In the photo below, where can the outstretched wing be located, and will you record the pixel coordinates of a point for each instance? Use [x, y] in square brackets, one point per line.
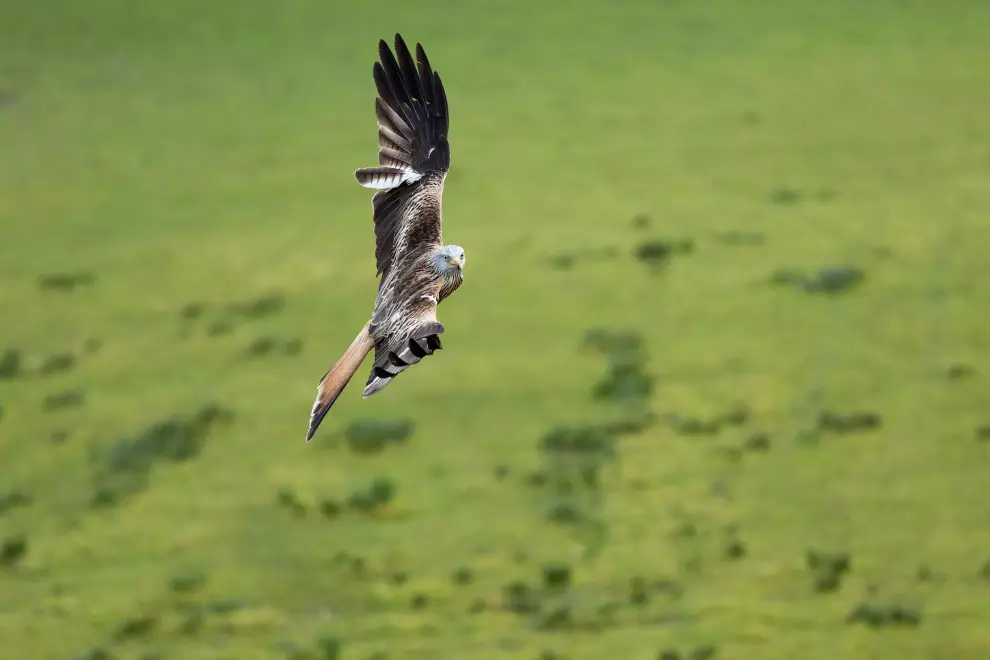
[413, 157]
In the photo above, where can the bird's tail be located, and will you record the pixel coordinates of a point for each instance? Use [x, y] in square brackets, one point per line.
[336, 379]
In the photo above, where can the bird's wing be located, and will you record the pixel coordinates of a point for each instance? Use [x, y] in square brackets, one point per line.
[413, 157]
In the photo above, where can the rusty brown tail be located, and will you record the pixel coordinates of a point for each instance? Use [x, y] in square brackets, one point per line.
[336, 379]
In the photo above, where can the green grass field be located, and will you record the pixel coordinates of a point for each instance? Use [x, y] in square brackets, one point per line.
[184, 252]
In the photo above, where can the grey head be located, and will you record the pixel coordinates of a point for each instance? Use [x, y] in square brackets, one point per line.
[448, 258]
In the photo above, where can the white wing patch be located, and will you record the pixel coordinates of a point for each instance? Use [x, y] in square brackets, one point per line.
[386, 177]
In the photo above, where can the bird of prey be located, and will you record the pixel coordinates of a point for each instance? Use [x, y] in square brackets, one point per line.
[417, 271]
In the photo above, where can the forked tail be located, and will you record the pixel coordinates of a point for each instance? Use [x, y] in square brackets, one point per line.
[336, 379]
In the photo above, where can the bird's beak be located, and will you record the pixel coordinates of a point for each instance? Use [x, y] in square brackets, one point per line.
[457, 261]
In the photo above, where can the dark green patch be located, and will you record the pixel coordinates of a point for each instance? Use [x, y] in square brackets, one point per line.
[852, 422]
[785, 196]
[267, 345]
[192, 311]
[12, 550]
[260, 307]
[563, 261]
[735, 549]
[519, 598]
[881, 615]
[960, 371]
[262, 346]
[835, 279]
[564, 513]
[377, 494]
[641, 221]
[624, 383]
[737, 415]
[136, 627]
[287, 499]
[330, 508]
[66, 399]
[225, 606]
[186, 583]
[371, 436]
[10, 364]
[557, 618]
[556, 576]
[657, 253]
[121, 470]
[639, 592]
[828, 569]
[620, 345]
[828, 280]
[219, 328]
[192, 621]
[329, 648]
[633, 422]
[57, 363]
[14, 499]
[693, 426]
[66, 281]
[757, 442]
[463, 575]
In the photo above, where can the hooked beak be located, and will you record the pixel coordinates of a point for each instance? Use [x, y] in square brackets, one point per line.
[457, 261]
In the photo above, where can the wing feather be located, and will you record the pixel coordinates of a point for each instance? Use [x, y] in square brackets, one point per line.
[402, 96]
[408, 69]
[388, 137]
[413, 157]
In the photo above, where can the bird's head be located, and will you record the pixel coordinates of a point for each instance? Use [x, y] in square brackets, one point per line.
[451, 256]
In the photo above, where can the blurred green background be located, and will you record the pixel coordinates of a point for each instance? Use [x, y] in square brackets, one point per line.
[716, 385]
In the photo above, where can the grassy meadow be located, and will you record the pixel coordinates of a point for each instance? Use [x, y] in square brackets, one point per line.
[716, 386]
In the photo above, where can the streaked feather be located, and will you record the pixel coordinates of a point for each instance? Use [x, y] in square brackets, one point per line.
[384, 178]
[336, 379]
[394, 155]
[392, 140]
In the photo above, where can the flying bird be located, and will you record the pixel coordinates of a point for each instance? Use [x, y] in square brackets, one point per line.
[417, 271]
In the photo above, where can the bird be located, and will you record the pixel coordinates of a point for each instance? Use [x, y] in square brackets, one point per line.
[416, 270]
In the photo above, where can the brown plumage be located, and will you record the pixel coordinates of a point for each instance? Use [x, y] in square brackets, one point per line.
[417, 270]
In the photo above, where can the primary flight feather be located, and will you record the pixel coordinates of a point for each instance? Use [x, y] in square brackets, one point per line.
[417, 270]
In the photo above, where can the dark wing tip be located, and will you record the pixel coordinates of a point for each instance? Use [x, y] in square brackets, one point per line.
[421, 55]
